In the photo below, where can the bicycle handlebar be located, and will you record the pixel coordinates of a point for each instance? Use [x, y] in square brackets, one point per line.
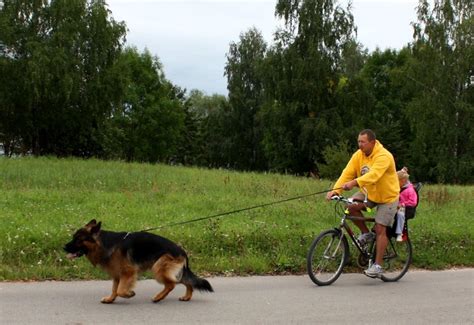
[340, 198]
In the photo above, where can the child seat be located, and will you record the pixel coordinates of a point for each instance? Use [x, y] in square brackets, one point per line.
[410, 213]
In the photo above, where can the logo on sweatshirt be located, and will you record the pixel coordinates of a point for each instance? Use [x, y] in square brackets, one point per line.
[364, 170]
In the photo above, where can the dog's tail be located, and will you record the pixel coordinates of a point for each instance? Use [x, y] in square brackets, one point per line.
[196, 282]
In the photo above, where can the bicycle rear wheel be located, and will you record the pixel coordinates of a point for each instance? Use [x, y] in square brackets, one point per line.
[327, 256]
[397, 260]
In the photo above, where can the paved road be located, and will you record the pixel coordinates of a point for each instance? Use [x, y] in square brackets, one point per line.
[421, 297]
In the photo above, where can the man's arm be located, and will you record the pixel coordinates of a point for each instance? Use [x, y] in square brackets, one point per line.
[347, 175]
[377, 170]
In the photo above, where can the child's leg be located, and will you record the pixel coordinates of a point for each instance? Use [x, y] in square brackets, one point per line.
[400, 223]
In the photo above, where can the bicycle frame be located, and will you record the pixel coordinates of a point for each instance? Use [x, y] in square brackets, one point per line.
[349, 231]
[366, 252]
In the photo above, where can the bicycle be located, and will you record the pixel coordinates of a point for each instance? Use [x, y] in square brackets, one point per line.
[329, 251]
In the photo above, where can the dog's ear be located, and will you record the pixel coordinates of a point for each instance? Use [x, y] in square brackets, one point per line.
[96, 228]
[91, 223]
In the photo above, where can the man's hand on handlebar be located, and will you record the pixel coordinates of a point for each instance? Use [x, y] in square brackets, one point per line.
[330, 194]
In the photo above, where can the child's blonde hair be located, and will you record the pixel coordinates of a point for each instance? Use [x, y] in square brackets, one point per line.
[403, 173]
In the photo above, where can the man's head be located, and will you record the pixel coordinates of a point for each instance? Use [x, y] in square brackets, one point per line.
[366, 141]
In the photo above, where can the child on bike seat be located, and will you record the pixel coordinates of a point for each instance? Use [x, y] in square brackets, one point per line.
[408, 198]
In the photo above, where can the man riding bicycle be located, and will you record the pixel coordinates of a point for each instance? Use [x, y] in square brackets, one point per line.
[372, 168]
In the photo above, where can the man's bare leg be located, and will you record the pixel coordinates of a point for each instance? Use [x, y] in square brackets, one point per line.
[382, 242]
[355, 210]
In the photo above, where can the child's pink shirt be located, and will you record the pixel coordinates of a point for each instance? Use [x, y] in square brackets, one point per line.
[408, 196]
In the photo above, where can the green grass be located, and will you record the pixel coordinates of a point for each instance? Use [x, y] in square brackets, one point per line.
[44, 200]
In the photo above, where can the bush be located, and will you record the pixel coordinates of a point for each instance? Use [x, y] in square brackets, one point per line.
[336, 157]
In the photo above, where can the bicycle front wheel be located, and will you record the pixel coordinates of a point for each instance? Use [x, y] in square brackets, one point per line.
[327, 256]
[397, 260]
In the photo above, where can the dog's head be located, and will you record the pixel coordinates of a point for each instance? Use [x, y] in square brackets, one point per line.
[84, 240]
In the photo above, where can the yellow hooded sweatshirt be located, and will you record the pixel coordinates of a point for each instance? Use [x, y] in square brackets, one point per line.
[376, 173]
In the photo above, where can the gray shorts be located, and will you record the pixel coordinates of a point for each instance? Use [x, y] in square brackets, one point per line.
[385, 211]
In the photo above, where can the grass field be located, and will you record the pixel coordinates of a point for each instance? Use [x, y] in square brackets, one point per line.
[44, 200]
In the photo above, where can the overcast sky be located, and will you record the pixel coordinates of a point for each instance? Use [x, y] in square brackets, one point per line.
[191, 37]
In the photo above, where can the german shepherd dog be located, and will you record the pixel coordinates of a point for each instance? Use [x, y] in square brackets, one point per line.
[123, 255]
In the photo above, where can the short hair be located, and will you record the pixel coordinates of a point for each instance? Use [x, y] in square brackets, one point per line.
[370, 134]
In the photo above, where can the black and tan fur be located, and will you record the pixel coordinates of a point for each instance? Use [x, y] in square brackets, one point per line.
[123, 255]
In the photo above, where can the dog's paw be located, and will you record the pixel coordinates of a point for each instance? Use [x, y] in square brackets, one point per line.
[107, 300]
[185, 298]
[127, 295]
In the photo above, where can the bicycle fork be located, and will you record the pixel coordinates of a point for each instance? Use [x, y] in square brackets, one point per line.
[330, 251]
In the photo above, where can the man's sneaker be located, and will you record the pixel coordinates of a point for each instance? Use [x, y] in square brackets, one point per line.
[366, 237]
[375, 271]
[400, 237]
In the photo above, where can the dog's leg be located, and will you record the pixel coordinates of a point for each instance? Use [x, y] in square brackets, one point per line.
[127, 282]
[169, 286]
[189, 293]
[110, 299]
[166, 270]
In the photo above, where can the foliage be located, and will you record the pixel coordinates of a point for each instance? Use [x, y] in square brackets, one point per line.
[57, 66]
[388, 99]
[148, 122]
[68, 87]
[336, 157]
[440, 114]
[246, 95]
[302, 73]
[209, 120]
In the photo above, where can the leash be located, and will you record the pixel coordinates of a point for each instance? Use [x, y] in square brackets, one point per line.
[232, 212]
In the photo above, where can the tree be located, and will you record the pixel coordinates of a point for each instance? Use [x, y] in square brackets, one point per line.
[61, 54]
[244, 82]
[211, 122]
[386, 111]
[336, 157]
[148, 123]
[441, 112]
[205, 141]
[303, 71]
